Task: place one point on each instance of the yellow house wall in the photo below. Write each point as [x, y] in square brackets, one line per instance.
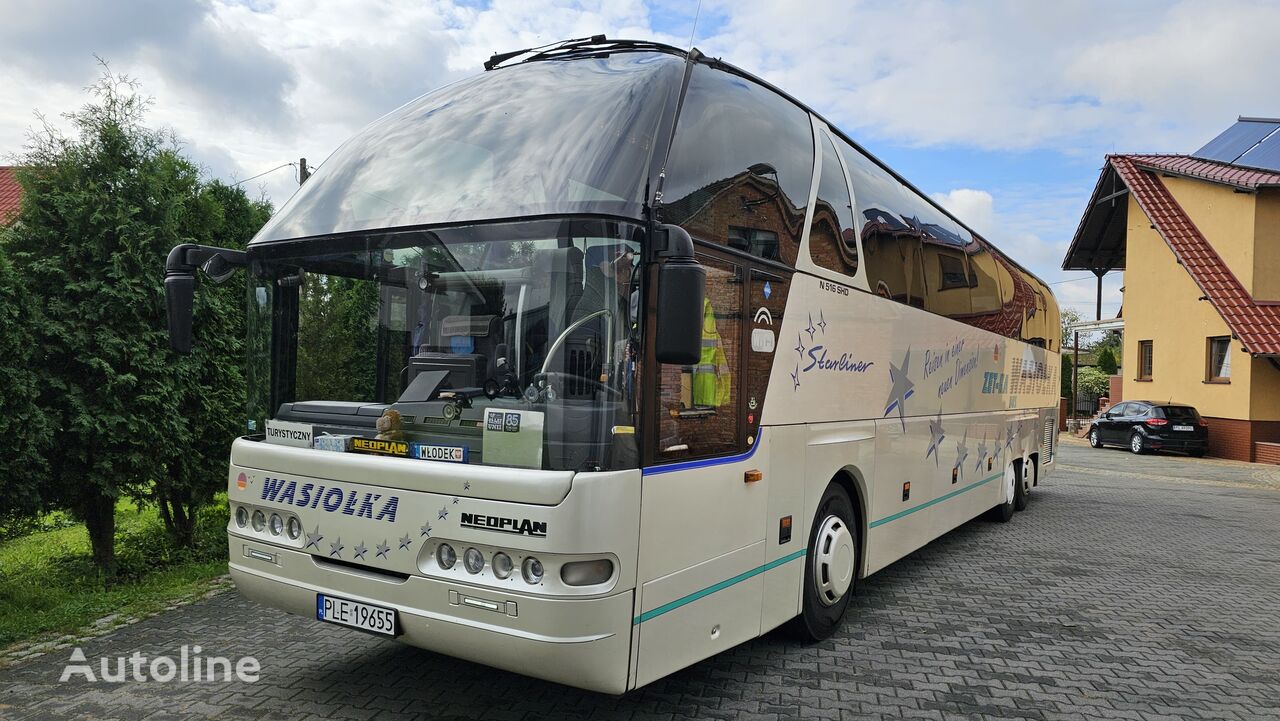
[1224, 217]
[1265, 391]
[1266, 246]
[1160, 305]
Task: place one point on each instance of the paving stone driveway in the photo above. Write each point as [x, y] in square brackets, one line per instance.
[1133, 588]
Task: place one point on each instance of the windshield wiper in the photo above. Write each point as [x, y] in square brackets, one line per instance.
[594, 46]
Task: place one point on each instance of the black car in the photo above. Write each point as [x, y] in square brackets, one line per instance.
[1147, 425]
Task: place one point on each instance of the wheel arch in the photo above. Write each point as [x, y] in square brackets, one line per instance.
[854, 483]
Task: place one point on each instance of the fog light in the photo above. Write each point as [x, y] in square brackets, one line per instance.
[242, 516]
[531, 569]
[293, 528]
[473, 560]
[586, 573]
[446, 556]
[277, 524]
[502, 565]
[259, 521]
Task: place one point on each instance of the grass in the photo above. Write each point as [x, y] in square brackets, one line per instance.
[49, 586]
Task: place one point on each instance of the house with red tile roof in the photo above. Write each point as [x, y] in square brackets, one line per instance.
[10, 195]
[1198, 239]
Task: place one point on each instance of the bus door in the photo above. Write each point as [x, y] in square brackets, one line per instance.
[703, 501]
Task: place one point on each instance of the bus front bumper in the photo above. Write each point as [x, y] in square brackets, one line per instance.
[584, 643]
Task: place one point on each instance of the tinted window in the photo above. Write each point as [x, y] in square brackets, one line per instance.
[742, 158]
[832, 243]
[1180, 413]
[545, 137]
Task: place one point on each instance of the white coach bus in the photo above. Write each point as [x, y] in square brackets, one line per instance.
[610, 358]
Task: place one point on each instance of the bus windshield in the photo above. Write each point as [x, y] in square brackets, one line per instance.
[533, 139]
[440, 330]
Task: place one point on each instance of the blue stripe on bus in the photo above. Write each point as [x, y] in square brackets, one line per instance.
[939, 499]
[648, 615]
[702, 463]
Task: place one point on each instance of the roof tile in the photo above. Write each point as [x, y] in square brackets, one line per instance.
[10, 195]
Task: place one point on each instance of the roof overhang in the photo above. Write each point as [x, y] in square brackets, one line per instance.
[1093, 326]
[1099, 242]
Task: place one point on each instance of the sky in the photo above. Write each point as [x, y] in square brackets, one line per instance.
[1002, 110]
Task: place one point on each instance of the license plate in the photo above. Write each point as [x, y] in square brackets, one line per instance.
[355, 614]
[1184, 428]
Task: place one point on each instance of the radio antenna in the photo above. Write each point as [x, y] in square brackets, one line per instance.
[693, 30]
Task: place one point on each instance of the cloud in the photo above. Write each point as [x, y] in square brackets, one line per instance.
[975, 208]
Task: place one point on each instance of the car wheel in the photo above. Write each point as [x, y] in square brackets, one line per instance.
[1095, 438]
[1003, 513]
[1024, 472]
[1136, 444]
[831, 569]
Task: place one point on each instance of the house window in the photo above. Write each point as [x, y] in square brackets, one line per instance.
[1218, 368]
[760, 243]
[1144, 360]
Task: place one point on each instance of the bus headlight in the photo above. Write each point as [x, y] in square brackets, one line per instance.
[293, 528]
[277, 524]
[446, 556]
[502, 565]
[259, 521]
[242, 516]
[473, 560]
[586, 573]
[531, 569]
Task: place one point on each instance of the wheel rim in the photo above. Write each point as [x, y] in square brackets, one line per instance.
[1093, 438]
[1135, 443]
[833, 560]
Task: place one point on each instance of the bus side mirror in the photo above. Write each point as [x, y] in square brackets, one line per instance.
[681, 289]
[180, 284]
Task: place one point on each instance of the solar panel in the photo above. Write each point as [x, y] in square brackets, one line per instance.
[1236, 140]
[1264, 155]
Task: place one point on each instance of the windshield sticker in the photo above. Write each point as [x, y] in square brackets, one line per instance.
[286, 433]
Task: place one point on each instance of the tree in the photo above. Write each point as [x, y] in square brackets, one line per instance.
[1069, 317]
[1093, 383]
[24, 428]
[1106, 362]
[1066, 375]
[100, 209]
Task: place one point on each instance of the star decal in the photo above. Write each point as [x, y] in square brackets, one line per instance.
[822, 322]
[443, 513]
[405, 541]
[902, 389]
[360, 550]
[1008, 436]
[799, 345]
[466, 485]
[936, 435]
[962, 452]
[426, 529]
[982, 453]
[335, 548]
[382, 549]
[811, 330]
[313, 539]
[455, 500]
[795, 378]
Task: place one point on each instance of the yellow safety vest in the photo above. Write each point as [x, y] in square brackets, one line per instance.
[711, 381]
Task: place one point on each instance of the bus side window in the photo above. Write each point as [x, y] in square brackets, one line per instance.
[832, 244]
[741, 165]
[698, 404]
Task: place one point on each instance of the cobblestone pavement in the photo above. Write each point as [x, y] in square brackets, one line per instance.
[1132, 588]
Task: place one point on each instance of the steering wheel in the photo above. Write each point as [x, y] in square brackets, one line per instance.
[555, 382]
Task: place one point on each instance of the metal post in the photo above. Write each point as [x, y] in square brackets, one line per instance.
[1099, 312]
[1075, 380]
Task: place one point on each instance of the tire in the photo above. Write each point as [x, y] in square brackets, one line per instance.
[1136, 444]
[1022, 476]
[1095, 438]
[1003, 513]
[831, 567]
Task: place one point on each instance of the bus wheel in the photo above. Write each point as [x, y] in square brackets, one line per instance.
[1024, 472]
[831, 567]
[1003, 513]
